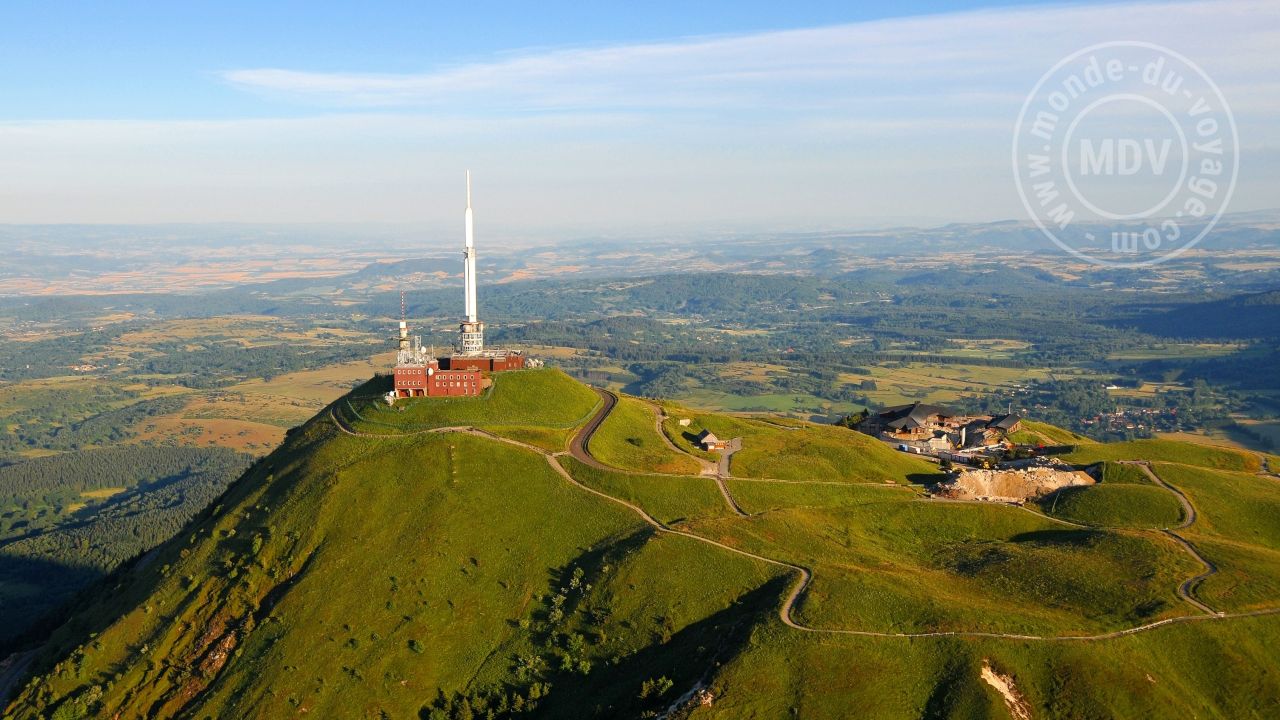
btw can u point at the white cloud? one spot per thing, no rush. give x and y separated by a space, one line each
959 55
905 118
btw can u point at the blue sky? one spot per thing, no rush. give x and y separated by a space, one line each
635 117
148 60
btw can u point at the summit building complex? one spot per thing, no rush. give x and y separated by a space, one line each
419 373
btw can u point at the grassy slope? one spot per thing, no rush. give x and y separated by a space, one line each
628 439
1238 530
1032 430
1114 473
545 399
887 561
810 452
757 496
1116 505
1166 451
409 565
668 499
1209 670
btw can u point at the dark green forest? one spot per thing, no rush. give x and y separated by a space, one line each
55 540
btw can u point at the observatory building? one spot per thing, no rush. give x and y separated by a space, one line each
419 373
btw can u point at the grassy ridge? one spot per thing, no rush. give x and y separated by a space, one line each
977 566
1239 507
410 590
809 452
628 439
1166 451
756 496
1114 473
1238 529
1248 576
1119 505
1033 431
1211 668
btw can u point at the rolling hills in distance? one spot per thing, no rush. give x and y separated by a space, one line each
550 550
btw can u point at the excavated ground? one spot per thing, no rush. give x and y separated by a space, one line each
1012 486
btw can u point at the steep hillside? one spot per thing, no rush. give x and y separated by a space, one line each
405 563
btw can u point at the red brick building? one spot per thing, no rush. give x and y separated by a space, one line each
491 361
428 380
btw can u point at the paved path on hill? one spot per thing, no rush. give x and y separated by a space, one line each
803 575
578 445
722 468
1188 518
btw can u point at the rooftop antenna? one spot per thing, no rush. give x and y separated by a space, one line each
404 333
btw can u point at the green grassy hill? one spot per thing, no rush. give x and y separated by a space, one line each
1119 505
1168 451
799 451
372 568
537 406
627 440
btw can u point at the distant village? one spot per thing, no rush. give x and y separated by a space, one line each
1139 421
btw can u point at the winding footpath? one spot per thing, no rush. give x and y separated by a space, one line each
722 468
1189 516
579 449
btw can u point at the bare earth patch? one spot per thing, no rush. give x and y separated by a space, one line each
1018 707
1012 486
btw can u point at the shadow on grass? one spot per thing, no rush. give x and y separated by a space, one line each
34 594
691 656
926 479
1061 538
958 692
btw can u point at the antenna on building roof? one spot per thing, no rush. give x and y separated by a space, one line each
402 315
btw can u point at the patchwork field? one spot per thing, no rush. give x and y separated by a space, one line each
243 435
900 383
1177 351
769 402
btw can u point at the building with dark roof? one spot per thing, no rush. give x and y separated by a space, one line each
1005 423
914 419
707 440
